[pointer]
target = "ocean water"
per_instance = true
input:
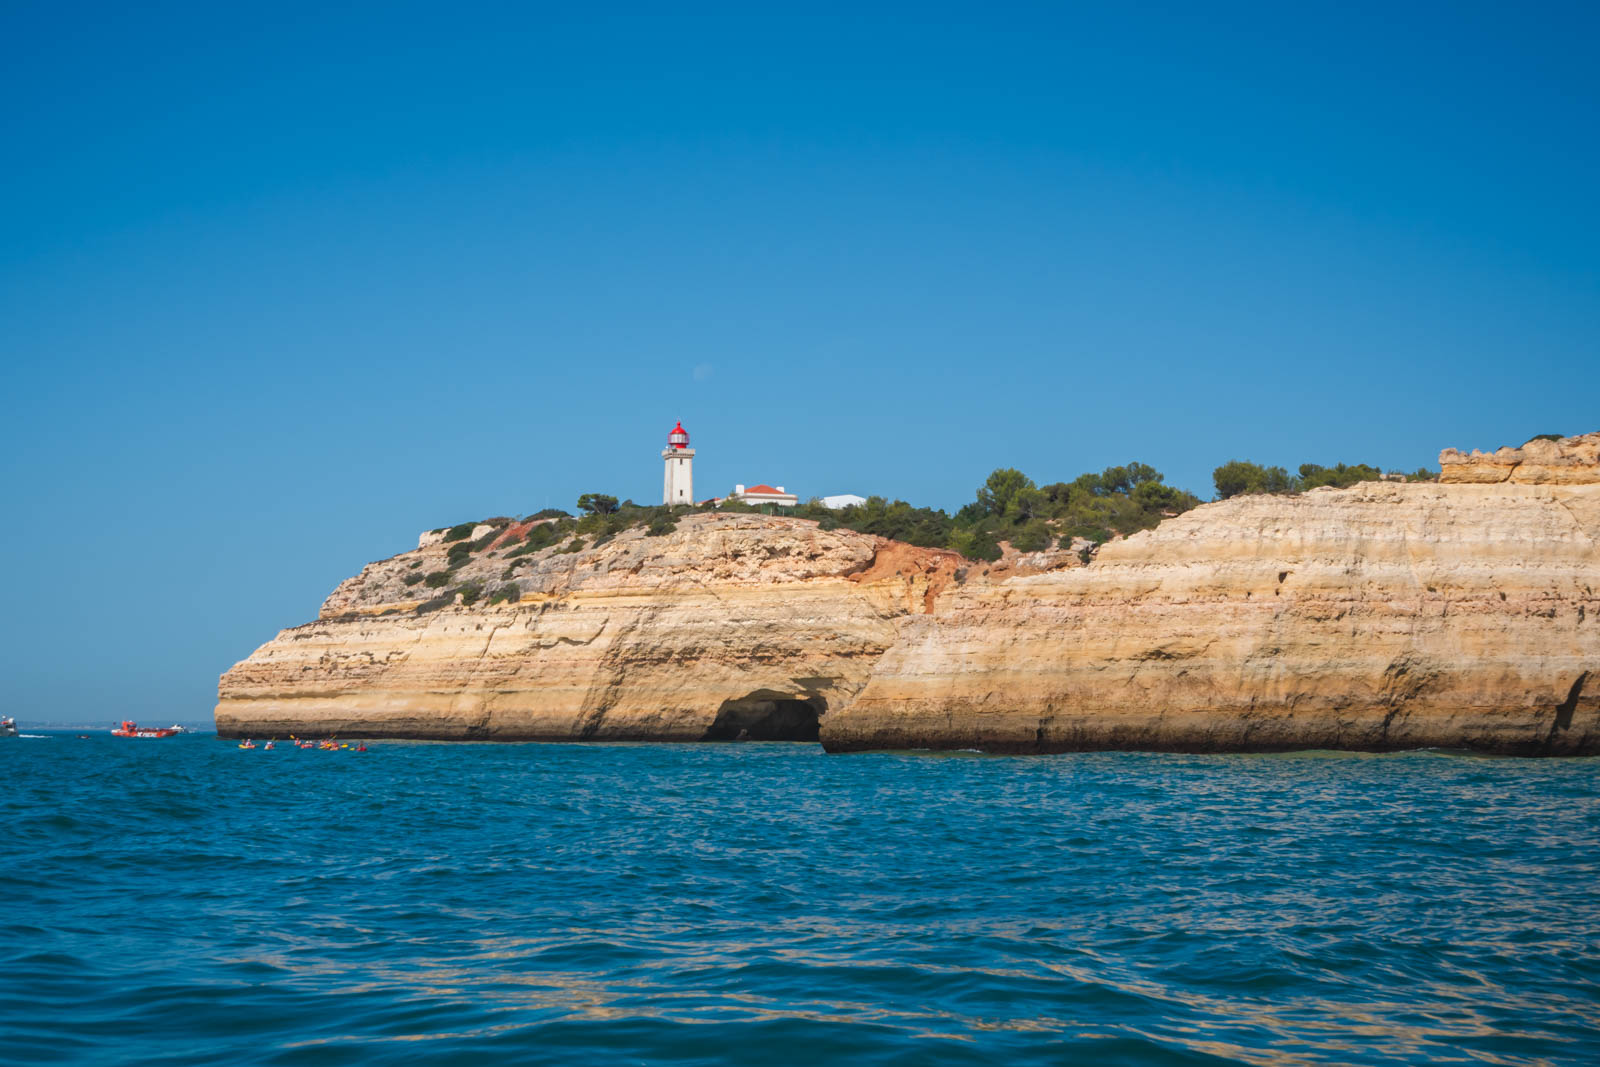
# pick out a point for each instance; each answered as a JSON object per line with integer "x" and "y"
{"x": 183, "y": 901}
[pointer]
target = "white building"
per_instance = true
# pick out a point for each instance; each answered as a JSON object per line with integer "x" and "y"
{"x": 677, "y": 486}
{"x": 764, "y": 494}
{"x": 843, "y": 500}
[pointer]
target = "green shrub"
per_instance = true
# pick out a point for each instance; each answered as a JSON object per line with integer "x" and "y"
{"x": 984, "y": 546}
{"x": 597, "y": 503}
{"x": 1154, "y": 496}
{"x": 459, "y": 553}
{"x": 1127, "y": 479}
{"x": 661, "y": 527}
{"x": 603, "y": 527}
{"x": 437, "y": 579}
{"x": 535, "y": 539}
{"x": 1033, "y": 537}
{"x": 412, "y": 579}
{"x": 631, "y": 515}
{"x": 897, "y": 520}
{"x": 511, "y": 592}
{"x": 575, "y": 546}
{"x": 975, "y": 543}
{"x": 1339, "y": 476}
{"x": 442, "y": 601}
{"x": 1004, "y": 491}
{"x": 457, "y": 533}
{"x": 1240, "y": 476}
{"x": 1098, "y": 534}
{"x": 470, "y": 592}
{"x": 548, "y": 513}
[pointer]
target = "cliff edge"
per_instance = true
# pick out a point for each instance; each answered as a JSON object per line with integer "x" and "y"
{"x": 1548, "y": 460}
{"x": 730, "y": 626}
{"x": 1457, "y": 614}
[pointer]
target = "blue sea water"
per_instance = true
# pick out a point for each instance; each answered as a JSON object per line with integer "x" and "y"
{"x": 183, "y": 901}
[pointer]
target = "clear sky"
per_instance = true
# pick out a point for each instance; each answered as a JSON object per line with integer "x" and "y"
{"x": 281, "y": 287}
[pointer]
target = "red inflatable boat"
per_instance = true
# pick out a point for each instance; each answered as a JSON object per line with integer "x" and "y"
{"x": 129, "y": 728}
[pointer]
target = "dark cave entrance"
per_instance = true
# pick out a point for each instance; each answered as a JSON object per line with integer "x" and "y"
{"x": 767, "y": 715}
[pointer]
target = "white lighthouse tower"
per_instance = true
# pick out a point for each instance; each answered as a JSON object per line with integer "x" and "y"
{"x": 678, "y": 485}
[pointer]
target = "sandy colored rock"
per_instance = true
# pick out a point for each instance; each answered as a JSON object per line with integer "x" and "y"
{"x": 1377, "y": 617}
{"x": 1567, "y": 461}
{"x": 1457, "y": 614}
{"x": 678, "y": 637}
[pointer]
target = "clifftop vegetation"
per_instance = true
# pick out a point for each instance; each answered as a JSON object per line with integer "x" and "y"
{"x": 1008, "y": 507}
{"x": 1011, "y": 507}
{"x": 1238, "y": 477}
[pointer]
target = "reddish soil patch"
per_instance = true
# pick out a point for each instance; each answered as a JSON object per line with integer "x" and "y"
{"x": 515, "y": 532}
{"x": 896, "y": 559}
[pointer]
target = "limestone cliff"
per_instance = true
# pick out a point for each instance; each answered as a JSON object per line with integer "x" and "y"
{"x": 1377, "y": 617}
{"x": 732, "y": 625}
{"x": 1559, "y": 461}
{"x": 1458, "y": 614}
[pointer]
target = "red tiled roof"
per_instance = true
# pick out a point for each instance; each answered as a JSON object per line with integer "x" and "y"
{"x": 763, "y": 489}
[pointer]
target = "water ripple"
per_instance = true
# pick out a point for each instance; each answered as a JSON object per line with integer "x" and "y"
{"x": 187, "y": 902}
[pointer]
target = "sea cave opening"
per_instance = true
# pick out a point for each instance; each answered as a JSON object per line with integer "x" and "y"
{"x": 767, "y": 715}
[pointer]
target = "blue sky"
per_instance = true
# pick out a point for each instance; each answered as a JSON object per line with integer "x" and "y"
{"x": 280, "y": 287}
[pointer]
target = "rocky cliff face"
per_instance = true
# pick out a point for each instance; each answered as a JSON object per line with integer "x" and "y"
{"x": 1378, "y": 617}
{"x": 1558, "y": 461}
{"x": 732, "y": 625}
{"x": 1459, "y": 614}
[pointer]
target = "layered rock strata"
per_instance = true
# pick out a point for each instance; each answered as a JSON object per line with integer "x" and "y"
{"x": 730, "y": 626}
{"x": 1384, "y": 616}
{"x": 1458, "y": 614}
{"x": 1542, "y": 461}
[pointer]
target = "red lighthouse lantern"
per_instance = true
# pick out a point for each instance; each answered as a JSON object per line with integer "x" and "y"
{"x": 679, "y": 437}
